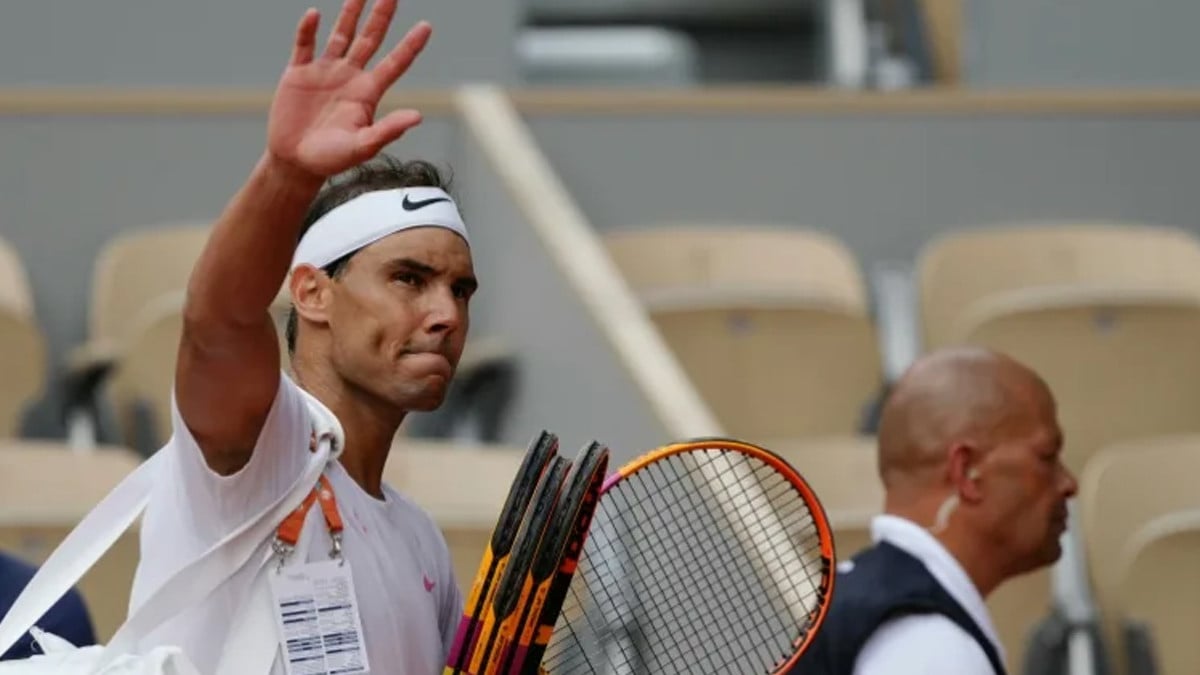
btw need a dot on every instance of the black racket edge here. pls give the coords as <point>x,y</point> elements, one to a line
<point>587,470</point>
<point>537,459</point>
<point>548,555</point>
<point>565,537</point>
<point>508,589</point>
<point>541,450</point>
<point>529,537</point>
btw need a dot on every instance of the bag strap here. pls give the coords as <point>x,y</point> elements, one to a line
<point>198,579</point>
<point>92,537</point>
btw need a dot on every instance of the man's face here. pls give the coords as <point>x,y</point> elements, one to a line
<point>1025,486</point>
<point>399,316</point>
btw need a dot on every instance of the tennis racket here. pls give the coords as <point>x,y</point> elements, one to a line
<point>706,556</point>
<point>541,450</point>
<point>556,560</point>
<point>498,628</point>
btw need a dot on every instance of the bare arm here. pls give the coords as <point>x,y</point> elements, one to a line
<point>321,123</point>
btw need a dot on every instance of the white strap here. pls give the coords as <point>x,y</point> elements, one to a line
<point>197,580</point>
<point>103,526</point>
<point>78,552</point>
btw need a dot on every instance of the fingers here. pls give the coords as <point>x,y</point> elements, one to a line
<point>386,130</point>
<point>343,31</point>
<point>368,41</point>
<point>306,38</point>
<point>392,66</point>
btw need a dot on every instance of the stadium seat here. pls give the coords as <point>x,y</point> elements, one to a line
<point>1122,363</point>
<point>135,321</point>
<point>772,325</point>
<point>131,272</point>
<point>22,345</point>
<point>1123,488</point>
<point>1157,594</point>
<point>139,387</point>
<point>45,490</point>
<point>842,471</point>
<point>965,266</point>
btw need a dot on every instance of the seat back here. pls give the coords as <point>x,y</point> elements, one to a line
<point>135,268</point>
<point>1121,364</point>
<point>771,326</point>
<point>1157,587</point>
<point>22,345</point>
<point>963,267</point>
<point>1123,487</point>
<point>140,387</point>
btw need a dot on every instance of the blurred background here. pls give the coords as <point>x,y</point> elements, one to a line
<point>690,217</point>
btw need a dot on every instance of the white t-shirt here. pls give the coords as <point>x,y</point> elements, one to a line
<point>408,596</point>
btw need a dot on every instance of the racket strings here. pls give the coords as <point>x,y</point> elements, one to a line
<point>707,562</point>
<point>747,614</point>
<point>739,610</point>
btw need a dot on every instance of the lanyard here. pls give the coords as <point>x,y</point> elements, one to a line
<point>289,530</point>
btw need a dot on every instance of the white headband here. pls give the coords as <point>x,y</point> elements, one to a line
<point>372,216</point>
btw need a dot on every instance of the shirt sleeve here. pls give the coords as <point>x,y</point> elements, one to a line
<point>923,644</point>
<point>192,507</point>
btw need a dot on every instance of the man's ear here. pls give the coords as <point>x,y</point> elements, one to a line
<point>963,469</point>
<point>311,295</point>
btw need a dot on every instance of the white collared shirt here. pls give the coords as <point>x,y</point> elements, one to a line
<point>928,644</point>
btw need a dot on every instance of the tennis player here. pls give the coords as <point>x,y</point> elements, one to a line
<point>976,494</point>
<point>380,274</point>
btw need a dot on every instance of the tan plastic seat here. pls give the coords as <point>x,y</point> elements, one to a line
<point>135,268</point>
<point>22,345</point>
<point>1157,586</point>
<point>144,375</point>
<point>843,471</point>
<point>772,325</point>
<point>1122,363</point>
<point>45,490</point>
<point>961,268</point>
<point>135,321</point>
<point>1122,488</point>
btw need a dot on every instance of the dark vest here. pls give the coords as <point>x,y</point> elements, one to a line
<point>886,583</point>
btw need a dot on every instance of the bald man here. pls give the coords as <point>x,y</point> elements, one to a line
<point>976,494</point>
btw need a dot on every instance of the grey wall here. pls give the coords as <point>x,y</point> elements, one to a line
<point>571,380</point>
<point>1082,42</point>
<point>883,183</point>
<point>228,42</point>
<point>67,185</point>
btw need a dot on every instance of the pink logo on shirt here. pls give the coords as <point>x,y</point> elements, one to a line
<point>429,583</point>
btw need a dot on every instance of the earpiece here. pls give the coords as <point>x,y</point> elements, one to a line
<point>973,473</point>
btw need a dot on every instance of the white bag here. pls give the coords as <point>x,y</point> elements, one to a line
<point>252,646</point>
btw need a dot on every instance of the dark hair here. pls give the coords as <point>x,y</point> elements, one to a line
<point>382,173</point>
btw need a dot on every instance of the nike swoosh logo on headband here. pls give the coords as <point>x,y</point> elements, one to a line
<point>415,206</point>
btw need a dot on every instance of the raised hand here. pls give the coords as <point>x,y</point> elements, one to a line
<point>322,119</point>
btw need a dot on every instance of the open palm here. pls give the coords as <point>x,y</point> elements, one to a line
<point>322,119</point>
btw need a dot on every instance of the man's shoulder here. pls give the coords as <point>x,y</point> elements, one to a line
<point>925,643</point>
